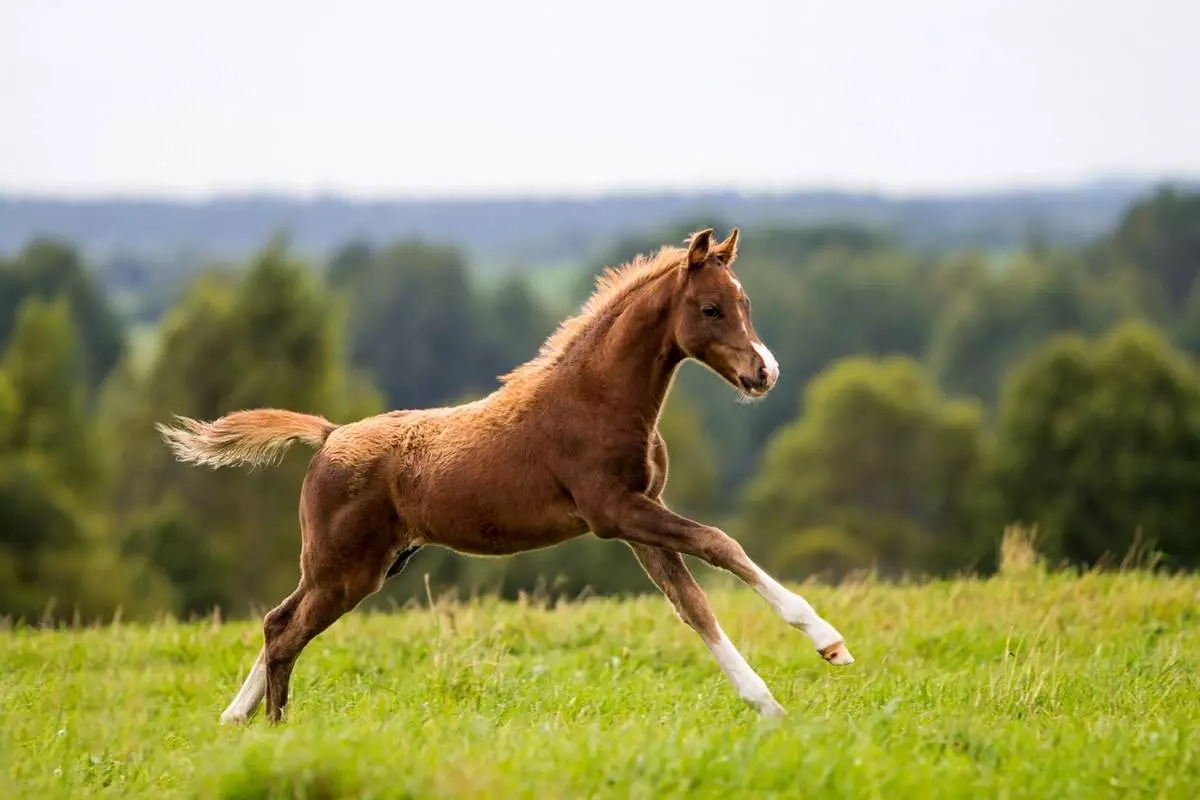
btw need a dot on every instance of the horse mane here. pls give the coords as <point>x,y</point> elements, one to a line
<point>613,285</point>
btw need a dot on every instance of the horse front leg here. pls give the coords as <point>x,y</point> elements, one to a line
<point>638,519</point>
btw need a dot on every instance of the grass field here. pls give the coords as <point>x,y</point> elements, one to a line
<point>1024,686</point>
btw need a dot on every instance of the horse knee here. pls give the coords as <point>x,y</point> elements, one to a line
<point>277,620</point>
<point>722,550</point>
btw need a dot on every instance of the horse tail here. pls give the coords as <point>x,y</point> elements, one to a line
<point>259,437</point>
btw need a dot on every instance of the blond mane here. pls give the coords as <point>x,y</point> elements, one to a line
<point>613,285</point>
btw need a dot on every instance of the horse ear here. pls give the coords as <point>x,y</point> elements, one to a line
<point>727,250</point>
<point>698,248</point>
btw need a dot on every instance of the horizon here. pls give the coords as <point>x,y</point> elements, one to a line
<point>1096,183</point>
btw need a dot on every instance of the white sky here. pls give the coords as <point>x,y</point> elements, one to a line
<point>192,97</point>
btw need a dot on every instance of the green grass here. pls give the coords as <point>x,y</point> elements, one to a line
<point>1028,686</point>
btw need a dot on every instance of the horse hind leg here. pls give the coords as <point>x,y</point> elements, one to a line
<point>254,689</point>
<point>345,563</point>
<point>296,622</point>
<point>304,615</point>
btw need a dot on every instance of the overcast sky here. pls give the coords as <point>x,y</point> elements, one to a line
<point>193,97</point>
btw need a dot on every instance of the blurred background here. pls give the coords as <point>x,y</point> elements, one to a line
<point>971,232</point>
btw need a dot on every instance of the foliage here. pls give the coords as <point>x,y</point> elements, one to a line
<point>269,338</point>
<point>996,321</point>
<point>1100,441</point>
<point>1187,330</point>
<point>48,422</point>
<point>423,333</point>
<point>956,684</point>
<point>879,471</point>
<point>48,269</point>
<point>52,477</point>
<point>1160,237</point>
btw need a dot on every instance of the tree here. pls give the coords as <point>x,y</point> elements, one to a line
<point>693,474</point>
<point>880,470</point>
<point>265,338</point>
<point>47,420</point>
<point>416,327</point>
<point>48,269</point>
<point>1160,238</point>
<point>994,323</point>
<point>349,264</point>
<point>52,543</point>
<point>1100,440</point>
<point>1187,331</point>
<point>43,541</point>
<point>514,325</point>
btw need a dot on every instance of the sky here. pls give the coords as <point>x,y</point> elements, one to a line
<point>191,98</point>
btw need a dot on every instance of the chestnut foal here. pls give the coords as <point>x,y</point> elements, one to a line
<point>567,444</point>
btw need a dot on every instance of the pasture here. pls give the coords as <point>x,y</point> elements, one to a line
<point>1025,685</point>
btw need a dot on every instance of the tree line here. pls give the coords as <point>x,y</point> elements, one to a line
<point>927,401</point>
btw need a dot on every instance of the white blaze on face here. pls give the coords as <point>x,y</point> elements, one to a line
<point>768,359</point>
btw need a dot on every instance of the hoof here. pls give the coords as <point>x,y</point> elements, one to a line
<point>770,709</point>
<point>234,718</point>
<point>837,654</point>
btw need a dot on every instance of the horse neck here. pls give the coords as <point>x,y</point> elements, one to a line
<point>633,357</point>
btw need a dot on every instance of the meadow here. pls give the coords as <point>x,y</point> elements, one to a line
<point>1028,684</point>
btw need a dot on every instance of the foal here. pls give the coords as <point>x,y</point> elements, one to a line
<point>569,443</point>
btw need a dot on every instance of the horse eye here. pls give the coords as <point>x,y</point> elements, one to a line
<point>709,310</point>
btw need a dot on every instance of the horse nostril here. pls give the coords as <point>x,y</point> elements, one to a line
<point>762,374</point>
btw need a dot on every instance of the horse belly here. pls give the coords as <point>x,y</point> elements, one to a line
<point>491,539</point>
<point>472,516</point>
<point>502,534</point>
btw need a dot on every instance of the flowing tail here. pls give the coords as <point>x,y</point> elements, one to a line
<point>258,438</point>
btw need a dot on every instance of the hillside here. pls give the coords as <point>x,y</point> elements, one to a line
<point>1021,686</point>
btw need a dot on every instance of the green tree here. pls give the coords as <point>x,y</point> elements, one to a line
<point>349,264</point>
<point>52,544</point>
<point>265,338</point>
<point>992,324</point>
<point>881,470</point>
<point>416,327</point>
<point>50,269</point>
<point>1160,238</point>
<point>514,325</point>
<point>48,420</point>
<point>43,541</point>
<point>1099,440</point>
<point>1187,331</point>
<point>693,475</point>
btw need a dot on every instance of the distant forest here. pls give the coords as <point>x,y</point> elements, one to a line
<point>531,233</point>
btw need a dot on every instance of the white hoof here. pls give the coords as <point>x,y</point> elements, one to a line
<point>231,717</point>
<point>759,696</point>
<point>837,654</point>
<point>770,708</point>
